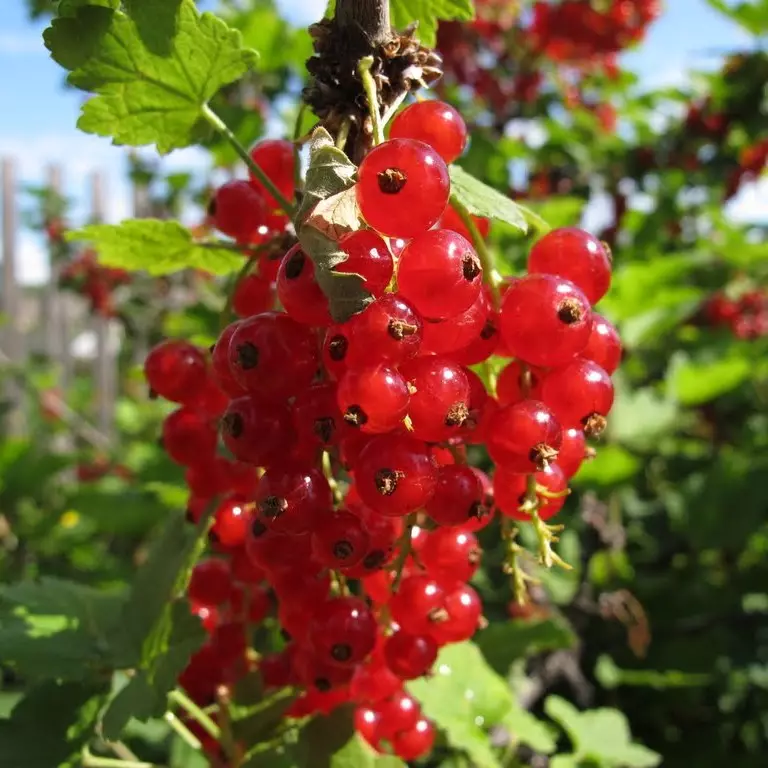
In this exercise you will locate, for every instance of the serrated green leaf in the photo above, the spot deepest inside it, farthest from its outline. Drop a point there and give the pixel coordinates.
(482, 200)
(50, 725)
(600, 734)
(152, 70)
(156, 246)
(330, 173)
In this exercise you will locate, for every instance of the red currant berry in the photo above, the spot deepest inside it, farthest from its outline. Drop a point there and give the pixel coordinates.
(573, 451)
(257, 433)
(210, 582)
(580, 394)
(297, 586)
(208, 614)
(451, 555)
(244, 570)
(238, 211)
(458, 497)
(416, 603)
(459, 616)
(395, 475)
(277, 668)
(210, 400)
(175, 370)
(344, 631)
(374, 400)
(229, 641)
(455, 333)
(604, 345)
(298, 291)
(524, 437)
(510, 490)
(440, 274)
(188, 438)
(398, 713)
(485, 343)
(252, 296)
(220, 369)
(373, 682)
(576, 256)
(403, 187)
(410, 656)
(322, 675)
(382, 535)
(435, 123)
(366, 722)
(369, 257)
(230, 523)
(545, 320)
(511, 386)
(276, 158)
(316, 415)
(415, 742)
(273, 356)
(341, 541)
(272, 550)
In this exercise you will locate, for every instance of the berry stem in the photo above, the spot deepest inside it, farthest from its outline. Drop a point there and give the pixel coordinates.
(225, 131)
(339, 584)
(224, 700)
(94, 761)
(343, 134)
(182, 731)
(491, 275)
(338, 496)
(403, 550)
(512, 565)
(392, 108)
(369, 86)
(181, 699)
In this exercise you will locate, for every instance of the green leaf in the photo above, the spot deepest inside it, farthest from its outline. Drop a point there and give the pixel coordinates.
(696, 383)
(641, 416)
(330, 173)
(753, 16)
(153, 70)
(527, 729)
(156, 246)
(611, 466)
(50, 725)
(427, 13)
(482, 200)
(601, 735)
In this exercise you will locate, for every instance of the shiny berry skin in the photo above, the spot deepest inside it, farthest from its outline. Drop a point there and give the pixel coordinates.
(459, 617)
(382, 535)
(366, 722)
(439, 397)
(403, 187)
(440, 274)
(273, 356)
(399, 712)
(272, 550)
(369, 257)
(210, 582)
(291, 498)
(374, 400)
(483, 345)
(415, 604)
(341, 541)
(244, 571)
(435, 123)
(175, 370)
(580, 394)
(510, 488)
(298, 291)
(322, 675)
(510, 386)
(373, 681)
(208, 478)
(188, 437)
(451, 555)
(208, 614)
(231, 522)
(210, 400)
(525, 436)
(388, 331)
(458, 497)
(316, 416)
(545, 320)
(277, 668)
(276, 158)
(455, 333)
(573, 451)
(575, 255)
(410, 656)
(238, 210)
(297, 586)
(395, 475)
(257, 433)
(415, 742)
(336, 350)
(229, 641)
(344, 631)
(220, 370)
(604, 345)
(252, 296)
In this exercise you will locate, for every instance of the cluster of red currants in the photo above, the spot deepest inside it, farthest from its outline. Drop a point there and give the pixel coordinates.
(746, 316)
(93, 281)
(350, 499)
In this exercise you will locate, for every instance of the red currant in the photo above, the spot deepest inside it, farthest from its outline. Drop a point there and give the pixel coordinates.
(277, 159)
(458, 497)
(451, 555)
(455, 333)
(210, 582)
(317, 418)
(369, 257)
(341, 541)
(410, 656)
(374, 399)
(510, 492)
(257, 433)
(221, 371)
(415, 742)
(298, 291)
(175, 370)
(238, 210)
(252, 296)
(573, 451)
(435, 123)
(231, 521)
(416, 603)
(604, 345)
(188, 437)
(344, 631)
(459, 616)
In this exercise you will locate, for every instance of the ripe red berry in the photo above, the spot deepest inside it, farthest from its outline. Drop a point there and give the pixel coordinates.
(238, 210)
(272, 550)
(458, 497)
(459, 616)
(277, 668)
(210, 582)
(545, 320)
(316, 416)
(257, 433)
(451, 555)
(604, 345)
(510, 491)
(188, 437)
(410, 656)
(369, 257)
(439, 403)
(298, 291)
(252, 296)
(524, 437)
(580, 394)
(319, 673)
(435, 123)
(455, 333)
(336, 350)
(440, 274)
(382, 535)
(374, 400)
(344, 631)
(175, 370)
(395, 475)
(366, 721)
(416, 603)
(231, 521)
(374, 681)
(273, 356)
(575, 255)
(220, 370)
(573, 451)
(403, 187)
(277, 159)
(511, 385)
(341, 541)
(398, 713)
(415, 742)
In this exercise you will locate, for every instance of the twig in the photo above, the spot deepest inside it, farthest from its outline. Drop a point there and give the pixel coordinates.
(181, 699)
(369, 86)
(182, 731)
(404, 549)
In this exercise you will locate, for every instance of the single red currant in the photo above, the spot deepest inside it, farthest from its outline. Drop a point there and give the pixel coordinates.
(341, 541)
(458, 497)
(455, 333)
(252, 296)
(416, 603)
(175, 370)
(374, 399)
(344, 631)
(369, 257)
(510, 489)
(451, 555)
(459, 616)
(573, 451)
(230, 523)
(277, 159)
(512, 386)
(604, 345)
(238, 210)
(410, 656)
(374, 681)
(257, 433)
(398, 713)
(188, 437)
(435, 123)
(415, 742)
(210, 582)
(298, 291)
(316, 416)
(220, 369)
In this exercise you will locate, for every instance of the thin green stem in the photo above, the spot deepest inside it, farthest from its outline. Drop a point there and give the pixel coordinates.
(491, 275)
(94, 761)
(403, 550)
(297, 145)
(343, 134)
(181, 699)
(392, 108)
(369, 86)
(227, 735)
(217, 123)
(182, 731)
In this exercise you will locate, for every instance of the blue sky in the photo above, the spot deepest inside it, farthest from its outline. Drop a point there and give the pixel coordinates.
(37, 118)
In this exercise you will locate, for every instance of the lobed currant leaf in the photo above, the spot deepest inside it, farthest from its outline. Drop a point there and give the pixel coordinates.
(158, 247)
(485, 201)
